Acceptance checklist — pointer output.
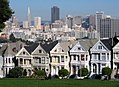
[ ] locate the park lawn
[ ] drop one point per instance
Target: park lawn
(56, 83)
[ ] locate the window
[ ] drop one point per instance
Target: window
(24, 61)
(79, 48)
(82, 57)
(103, 65)
(103, 56)
(62, 58)
(74, 57)
(24, 52)
(39, 60)
(62, 67)
(86, 57)
(107, 56)
(99, 47)
(95, 56)
(9, 60)
(21, 61)
(40, 51)
(43, 60)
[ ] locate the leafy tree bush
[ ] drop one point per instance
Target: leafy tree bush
(39, 74)
(83, 72)
(106, 71)
(63, 72)
(5, 12)
(16, 72)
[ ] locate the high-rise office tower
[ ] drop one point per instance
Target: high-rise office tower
(37, 22)
(55, 13)
(29, 17)
(109, 27)
(99, 15)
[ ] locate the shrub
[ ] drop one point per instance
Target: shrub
(83, 72)
(63, 72)
(106, 71)
(40, 74)
(16, 72)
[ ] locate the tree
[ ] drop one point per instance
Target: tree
(63, 72)
(12, 38)
(83, 72)
(16, 72)
(5, 12)
(106, 71)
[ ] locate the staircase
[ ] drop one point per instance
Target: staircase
(114, 72)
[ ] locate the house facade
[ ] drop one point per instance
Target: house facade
(79, 55)
(100, 57)
(116, 58)
(59, 57)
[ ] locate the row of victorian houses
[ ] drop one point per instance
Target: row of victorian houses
(92, 54)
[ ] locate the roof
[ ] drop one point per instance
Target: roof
(110, 43)
(31, 48)
(48, 46)
(10, 49)
(87, 43)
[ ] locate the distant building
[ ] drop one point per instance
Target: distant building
(92, 22)
(69, 21)
(109, 27)
(99, 15)
(77, 20)
(25, 24)
(37, 22)
(29, 17)
(55, 14)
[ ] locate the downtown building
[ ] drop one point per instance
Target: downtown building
(55, 14)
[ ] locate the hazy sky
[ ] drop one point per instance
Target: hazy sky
(42, 8)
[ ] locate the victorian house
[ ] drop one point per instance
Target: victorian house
(116, 58)
(79, 55)
(33, 57)
(100, 56)
(8, 52)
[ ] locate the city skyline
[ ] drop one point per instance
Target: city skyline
(42, 8)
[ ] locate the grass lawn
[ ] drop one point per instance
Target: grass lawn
(56, 83)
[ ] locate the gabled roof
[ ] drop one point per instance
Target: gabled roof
(32, 47)
(110, 43)
(11, 49)
(48, 46)
(87, 43)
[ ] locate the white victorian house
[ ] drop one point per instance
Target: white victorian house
(79, 55)
(59, 57)
(116, 58)
(100, 56)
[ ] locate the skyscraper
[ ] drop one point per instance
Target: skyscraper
(29, 17)
(109, 27)
(55, 14)
(99, 15)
